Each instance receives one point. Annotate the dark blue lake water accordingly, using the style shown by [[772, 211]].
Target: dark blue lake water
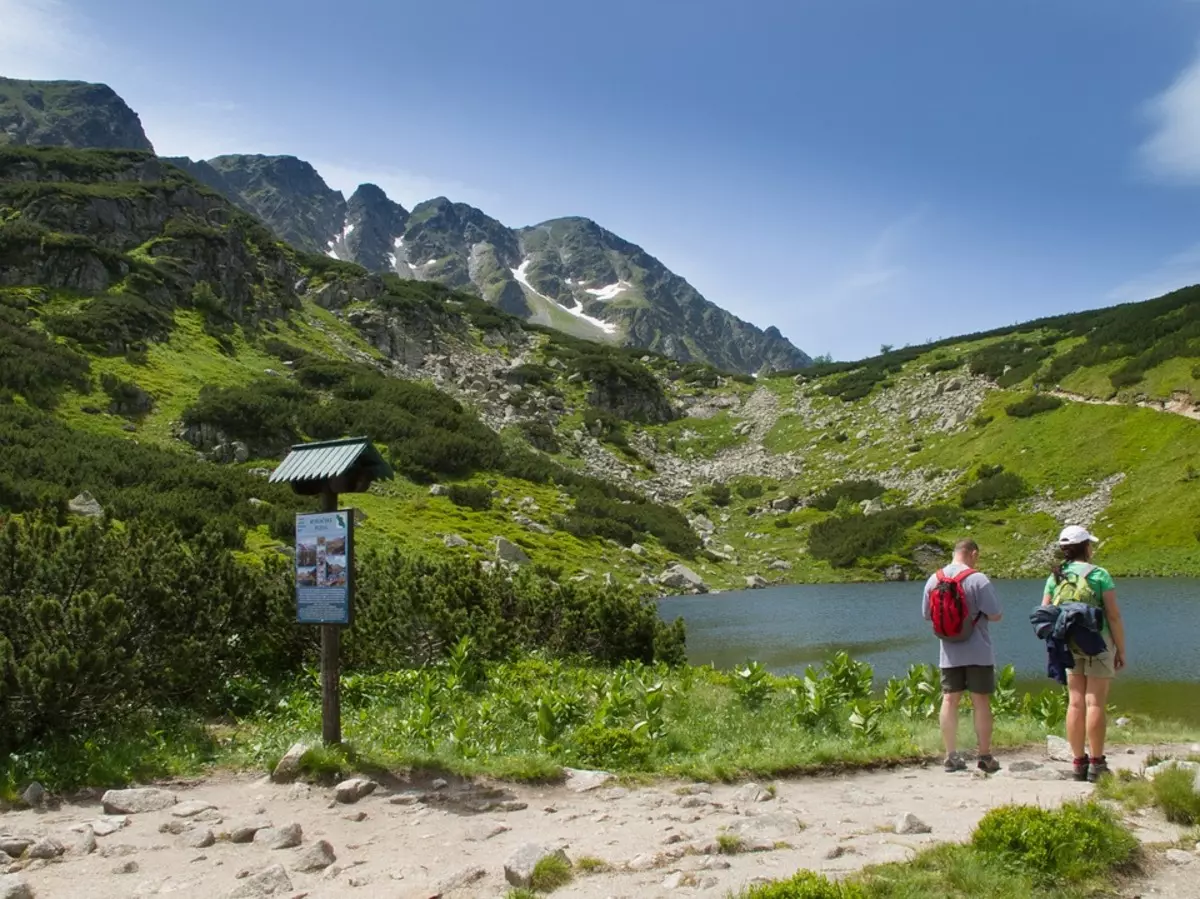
[[787, 628]]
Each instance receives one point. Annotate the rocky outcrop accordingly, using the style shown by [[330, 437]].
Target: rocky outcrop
[[164, 237]]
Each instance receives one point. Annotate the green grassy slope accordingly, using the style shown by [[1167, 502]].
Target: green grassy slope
[[188, 304]]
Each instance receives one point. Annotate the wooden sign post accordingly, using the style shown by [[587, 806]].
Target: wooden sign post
[[325, 570]]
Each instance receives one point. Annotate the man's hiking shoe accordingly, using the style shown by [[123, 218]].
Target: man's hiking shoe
[[1081, 768], [988, 765], [1099, 769], [955, 762]]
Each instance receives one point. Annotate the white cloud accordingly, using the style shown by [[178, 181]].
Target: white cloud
[[404, 187], [879, 267], [44, 39], [1180, 270], [1172, 152]]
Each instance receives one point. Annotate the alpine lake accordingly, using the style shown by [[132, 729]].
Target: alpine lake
[[790, 627]]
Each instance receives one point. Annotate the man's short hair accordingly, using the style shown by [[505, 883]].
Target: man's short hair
[[966, 545]]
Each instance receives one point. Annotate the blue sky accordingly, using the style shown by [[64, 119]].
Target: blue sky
[[856, 172]]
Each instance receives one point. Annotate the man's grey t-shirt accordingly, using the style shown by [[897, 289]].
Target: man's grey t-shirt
[[981, 597]]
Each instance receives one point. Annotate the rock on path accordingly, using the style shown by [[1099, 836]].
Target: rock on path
[[472, 840]]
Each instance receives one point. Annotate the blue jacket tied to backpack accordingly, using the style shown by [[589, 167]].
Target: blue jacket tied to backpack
[[1067, 628]]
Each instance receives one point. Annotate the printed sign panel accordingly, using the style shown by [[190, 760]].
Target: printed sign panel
[[324, 567]]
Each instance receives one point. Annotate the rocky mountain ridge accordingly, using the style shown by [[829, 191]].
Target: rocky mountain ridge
[[569, 273]]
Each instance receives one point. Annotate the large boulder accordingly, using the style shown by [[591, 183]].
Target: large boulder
[[288, 768], [518, 870], [272, 881], [136, 801], [317, 857], [354, 789], [85, 505], [681, 577], [507, 551], [755, 582], [13, 886]]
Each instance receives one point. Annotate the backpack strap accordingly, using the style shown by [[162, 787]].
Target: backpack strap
[[963, 575]]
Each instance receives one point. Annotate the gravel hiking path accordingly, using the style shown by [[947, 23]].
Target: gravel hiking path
[[420, 839]]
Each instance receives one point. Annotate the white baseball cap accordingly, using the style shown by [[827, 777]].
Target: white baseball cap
[[1073, 534]]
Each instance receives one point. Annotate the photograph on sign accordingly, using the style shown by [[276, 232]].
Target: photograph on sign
[[323, 553]]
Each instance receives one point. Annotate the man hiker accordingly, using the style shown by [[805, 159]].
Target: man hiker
[[959, 602]]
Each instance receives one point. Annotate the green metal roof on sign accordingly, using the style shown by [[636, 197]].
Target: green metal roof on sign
[[331, 459]]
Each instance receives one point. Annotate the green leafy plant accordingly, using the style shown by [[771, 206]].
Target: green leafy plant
[[752, 683]]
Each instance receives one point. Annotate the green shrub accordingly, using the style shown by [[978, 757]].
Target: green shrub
[[596, 514], [1070, 844], [842, 540], [471, 496], [1175, 793], [855, 491], [550, 873], [805, 885], [103, 621], [540, 435], [1007, 362], [606, 428], [609, 747], [125, 398], [749, 489], [34, 366], [993, 490], [1033, 404], [410, 611], [529, 373], [719, 494], [939, 365], [111, 323], [783, 521]]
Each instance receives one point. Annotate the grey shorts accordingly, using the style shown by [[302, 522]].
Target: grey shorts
[[969, 679]]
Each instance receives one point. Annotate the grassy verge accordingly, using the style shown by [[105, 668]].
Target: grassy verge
[[526, 720], [1016, 852], [1172, 791]]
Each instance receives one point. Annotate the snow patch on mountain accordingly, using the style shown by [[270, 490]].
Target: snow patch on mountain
[[520, 273], [337, 248], [611, 292]]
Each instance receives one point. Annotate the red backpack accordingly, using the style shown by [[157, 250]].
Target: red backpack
[[948, 608]]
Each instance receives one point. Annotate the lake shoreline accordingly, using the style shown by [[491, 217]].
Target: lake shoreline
[[787, 627]]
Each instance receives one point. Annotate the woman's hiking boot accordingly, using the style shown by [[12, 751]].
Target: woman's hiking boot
[[1099, 769], [988, 764], [955, 762], [1081, 767]]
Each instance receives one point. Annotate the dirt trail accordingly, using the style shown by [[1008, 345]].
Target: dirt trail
[[423, 840], [1180, 404]]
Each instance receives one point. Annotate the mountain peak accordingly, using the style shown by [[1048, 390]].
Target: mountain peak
[[75, 114]]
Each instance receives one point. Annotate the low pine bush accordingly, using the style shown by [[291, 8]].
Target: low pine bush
[[1034, 404], [805, 885], [1070, 844]]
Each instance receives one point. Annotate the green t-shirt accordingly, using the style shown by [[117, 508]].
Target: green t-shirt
[[1099, 580]]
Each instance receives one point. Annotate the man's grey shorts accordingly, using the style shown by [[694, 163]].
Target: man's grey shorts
[[969, 679]]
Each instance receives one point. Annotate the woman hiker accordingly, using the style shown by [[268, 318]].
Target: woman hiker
[[1076, 579]]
